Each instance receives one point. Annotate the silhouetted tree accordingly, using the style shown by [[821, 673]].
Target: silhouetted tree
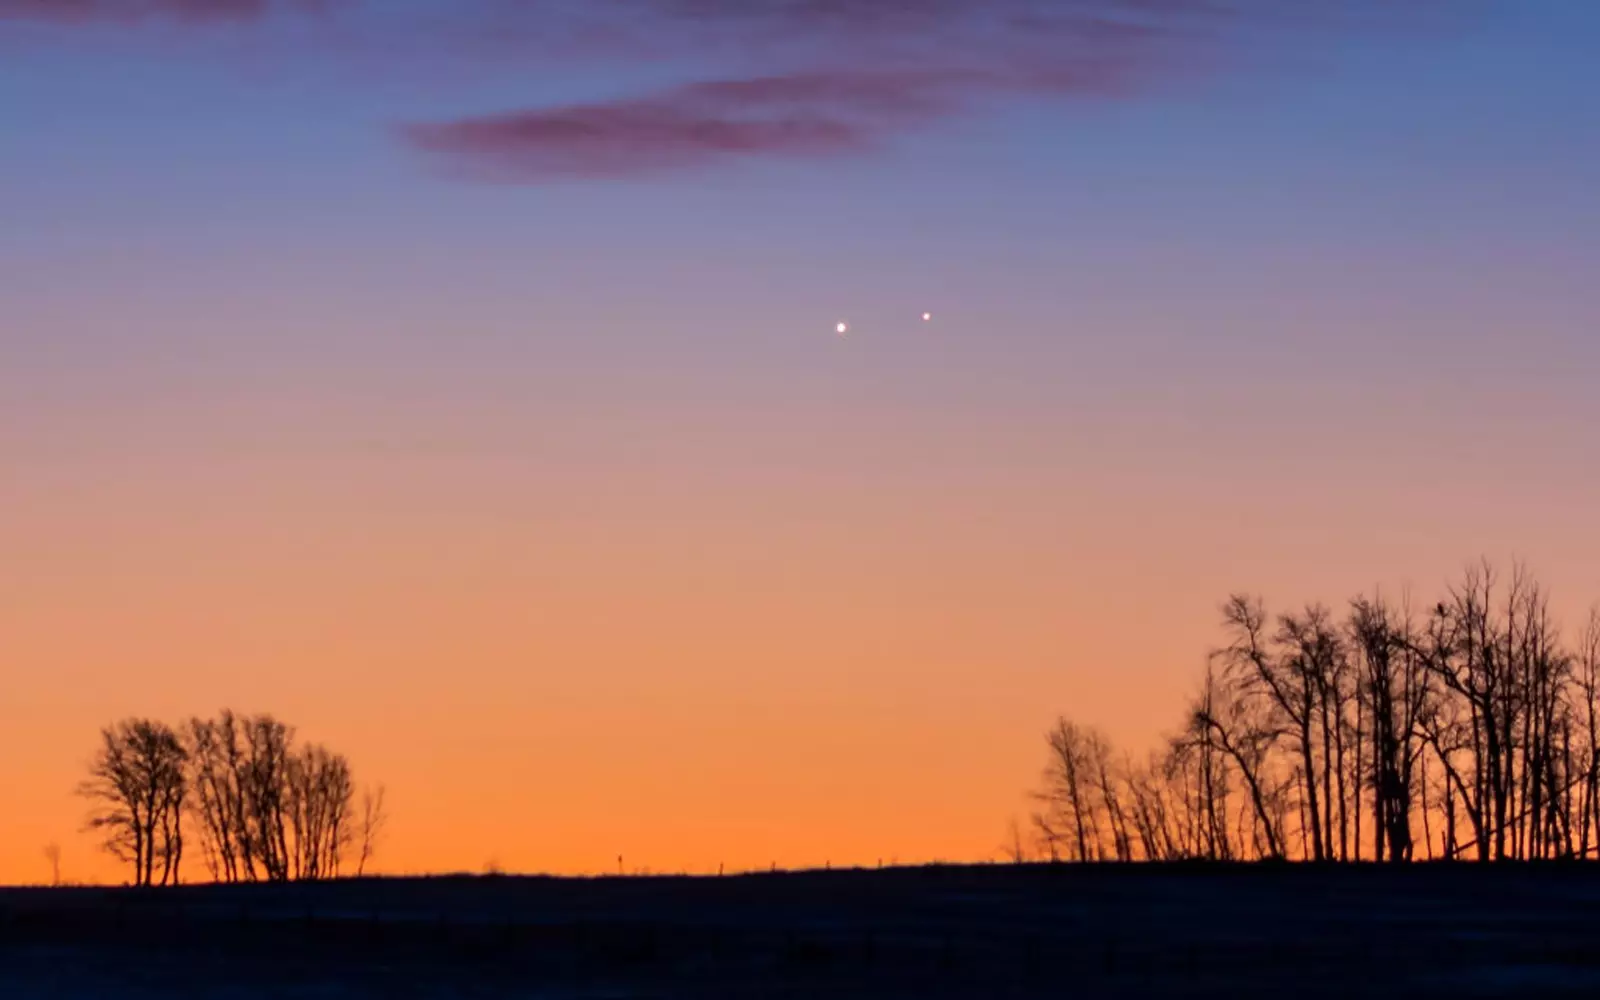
[[242, 773], [1068, 816], [320, 805], [137, 784], [269, 809], [373, 819], [1469, 730], [1229, 718], [264, 808], [1282, 690], [1587, 677], [1015, 849], [1394, 691], [1151, 791], [1109, 781], [266, 789], [218, 780]]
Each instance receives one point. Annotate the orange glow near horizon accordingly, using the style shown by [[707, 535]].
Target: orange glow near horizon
[[730, 434], [787, 640]]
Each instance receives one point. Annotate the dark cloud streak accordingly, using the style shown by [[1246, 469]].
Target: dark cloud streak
[[794, 115], [783, 78], [853, 74], [806, 114]]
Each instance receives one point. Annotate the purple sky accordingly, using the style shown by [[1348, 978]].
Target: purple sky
[[318, 319]]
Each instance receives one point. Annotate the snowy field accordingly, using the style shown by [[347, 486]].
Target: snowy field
[[989, 931]]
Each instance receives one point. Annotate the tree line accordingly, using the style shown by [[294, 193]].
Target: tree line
[[1468, 729], [261, 805]]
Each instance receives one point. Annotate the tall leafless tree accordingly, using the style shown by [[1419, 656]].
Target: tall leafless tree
[[1068, 817], [1229, 718], [218, 780], [1587, 678], [137, 784], [1015, 848], [1470, 730], [322, 823], [1394, 692], [374, 817]]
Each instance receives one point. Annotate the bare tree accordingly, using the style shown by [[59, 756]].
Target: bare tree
[[1473, 729], [1510, 697], [373, 819], [1394, 690], [218, 778], [1313, 670], [267, 808], [1283, 688], [269, 747], [1463, 645], [52, 854], [1015, 849], [1109, 782], [1587, 675], [137, 785], [320, 804], [240, 772], [1068, 814], [1159, 807], [1227, 719]]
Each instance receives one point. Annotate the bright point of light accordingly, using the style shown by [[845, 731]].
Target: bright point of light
[[927, 317], [843, 328]]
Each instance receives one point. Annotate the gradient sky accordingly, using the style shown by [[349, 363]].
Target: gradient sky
[[458, 381]]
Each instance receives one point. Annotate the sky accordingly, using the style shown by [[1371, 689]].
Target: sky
[[459, 382]]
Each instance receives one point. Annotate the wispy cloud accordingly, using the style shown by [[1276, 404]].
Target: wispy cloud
[[777, 78], [848, 76], [803, 114], [793, 78]]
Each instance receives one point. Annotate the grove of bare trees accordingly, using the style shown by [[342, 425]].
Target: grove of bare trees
[[1468, 729], [259, 805]]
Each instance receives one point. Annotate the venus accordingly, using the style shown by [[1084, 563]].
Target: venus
[[843, 328]]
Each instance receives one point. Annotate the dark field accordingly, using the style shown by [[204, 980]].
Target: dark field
[[989, 931]]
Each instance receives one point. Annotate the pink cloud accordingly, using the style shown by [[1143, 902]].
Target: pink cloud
[[861, 73], [787, 78], [807, 114]]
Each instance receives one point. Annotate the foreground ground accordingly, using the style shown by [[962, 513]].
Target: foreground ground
[[989, 931]]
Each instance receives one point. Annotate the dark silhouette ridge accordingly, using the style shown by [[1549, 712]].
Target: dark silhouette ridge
[[1160, 929]]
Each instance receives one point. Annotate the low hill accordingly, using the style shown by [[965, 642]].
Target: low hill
[[982, 931]]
